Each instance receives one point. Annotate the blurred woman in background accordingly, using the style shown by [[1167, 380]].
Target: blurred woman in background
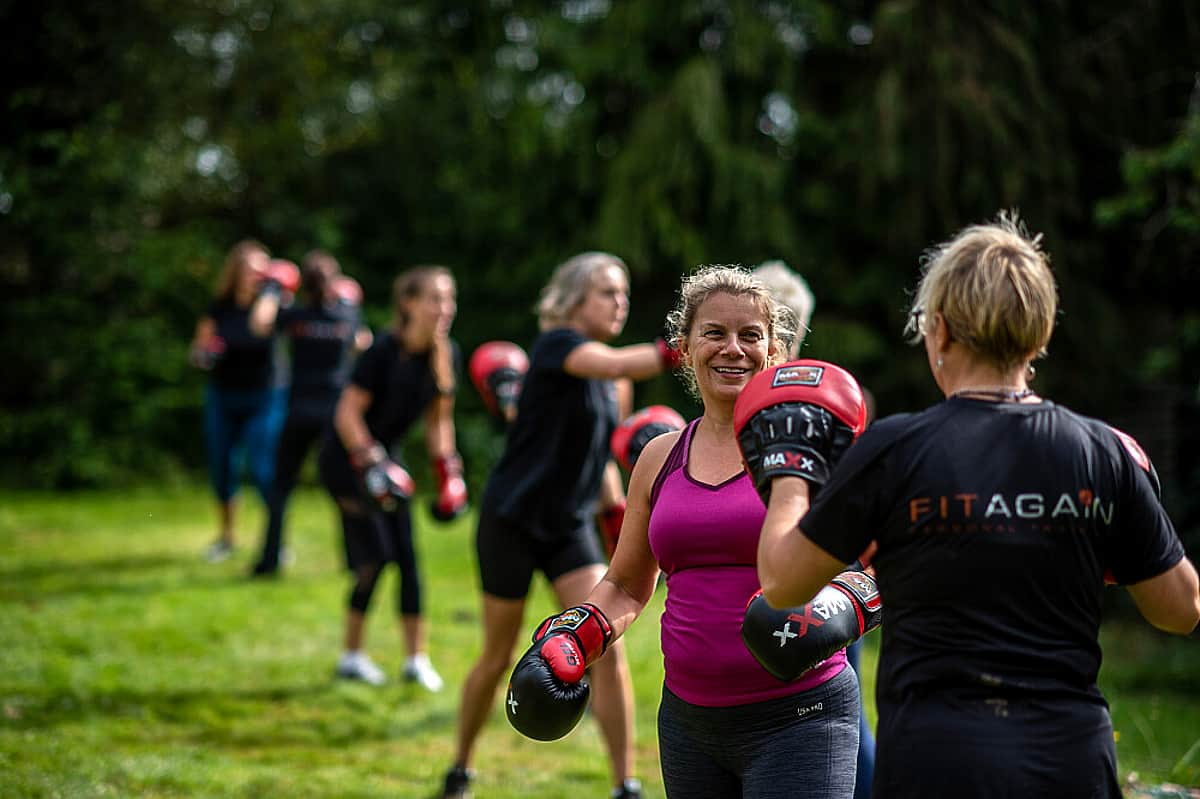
[[245, 396], [408, 374]]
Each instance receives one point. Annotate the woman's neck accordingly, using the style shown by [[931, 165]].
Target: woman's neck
[[414, 340]]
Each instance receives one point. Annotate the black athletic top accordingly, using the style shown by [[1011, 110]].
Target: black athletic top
[[548, 478], [322, 347], [996, 523], [248, 362], [401, 385]]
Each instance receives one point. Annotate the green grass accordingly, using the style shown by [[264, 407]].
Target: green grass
[[130, 667]]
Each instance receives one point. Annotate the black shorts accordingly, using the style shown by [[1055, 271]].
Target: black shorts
[[509, 554], [377, 537], [994, 747]]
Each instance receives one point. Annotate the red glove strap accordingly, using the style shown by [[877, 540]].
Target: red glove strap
[[586, 623]]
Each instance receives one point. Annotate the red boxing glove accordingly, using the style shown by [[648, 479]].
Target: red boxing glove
[[346, 290], [497, 369], [451, 501], [632, 435], [280, 276], [671, 358], [611, 519], [798, 419], [384, 481], [548, 691]]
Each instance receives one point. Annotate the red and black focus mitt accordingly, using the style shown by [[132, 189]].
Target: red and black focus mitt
[[797, 419], [632, 435], [788, 642], [497, 369]]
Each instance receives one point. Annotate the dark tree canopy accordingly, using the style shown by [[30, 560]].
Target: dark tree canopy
[[143, 138]]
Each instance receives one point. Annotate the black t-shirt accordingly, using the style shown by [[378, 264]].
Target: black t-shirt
[[322, 348], [248, 362], [548, 477], [995, 523]]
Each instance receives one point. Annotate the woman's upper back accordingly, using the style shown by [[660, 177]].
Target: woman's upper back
[[996, 523]]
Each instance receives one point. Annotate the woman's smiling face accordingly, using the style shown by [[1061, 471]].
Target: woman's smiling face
[[727, 345]]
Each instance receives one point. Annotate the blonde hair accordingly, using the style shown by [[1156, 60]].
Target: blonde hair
[[790, 289], [235, 261], [738, 281], [993, 286], [570, 284], [409, 285]]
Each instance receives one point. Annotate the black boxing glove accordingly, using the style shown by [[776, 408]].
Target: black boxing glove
[[797, 419], [788, 642], [384, 481], [548, 690]]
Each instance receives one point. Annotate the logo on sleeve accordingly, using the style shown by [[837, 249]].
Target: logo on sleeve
[[797, 376]]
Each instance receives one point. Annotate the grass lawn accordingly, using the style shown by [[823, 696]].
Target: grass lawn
[[131, 667]]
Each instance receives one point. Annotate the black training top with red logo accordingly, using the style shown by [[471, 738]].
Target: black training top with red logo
[[321, 336], [996, 523]]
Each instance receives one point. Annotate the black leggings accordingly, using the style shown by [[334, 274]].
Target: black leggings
[[298, 437]]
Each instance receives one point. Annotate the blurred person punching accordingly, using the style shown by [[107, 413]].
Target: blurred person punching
[[245, 396], [324, 331], [538, 510]]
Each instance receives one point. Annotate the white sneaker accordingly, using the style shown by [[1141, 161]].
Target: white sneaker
[[357, 666], [418, 669], [218, 551]]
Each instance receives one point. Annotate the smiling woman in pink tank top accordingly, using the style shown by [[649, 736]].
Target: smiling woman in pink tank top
[[726, 727]]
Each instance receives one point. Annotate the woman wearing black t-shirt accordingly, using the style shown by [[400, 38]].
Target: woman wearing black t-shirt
[[324, 331], [538, 509], [997, 517], [408, 374], [245, 398]]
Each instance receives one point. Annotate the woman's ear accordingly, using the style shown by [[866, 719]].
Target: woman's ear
[[939, 332]]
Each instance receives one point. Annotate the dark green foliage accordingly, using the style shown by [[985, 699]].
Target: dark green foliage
[[142, 139]]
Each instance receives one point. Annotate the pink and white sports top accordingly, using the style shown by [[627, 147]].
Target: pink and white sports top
[[705, 539]]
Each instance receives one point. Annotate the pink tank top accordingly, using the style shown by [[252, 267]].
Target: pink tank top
[[705, 539]]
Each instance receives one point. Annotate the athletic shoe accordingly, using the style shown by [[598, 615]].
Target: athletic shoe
[[630, 789], [418, 669], [218, 551], [357, 666], [458, 783]]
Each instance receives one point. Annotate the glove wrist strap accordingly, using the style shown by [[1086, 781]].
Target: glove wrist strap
[[587, 624]]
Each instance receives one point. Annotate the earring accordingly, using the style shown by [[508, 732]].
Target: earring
[[939, 362], [1031, 371]]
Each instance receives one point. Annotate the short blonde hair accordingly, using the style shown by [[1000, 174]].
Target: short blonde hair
[[736, 280], [993, 285], [570, 284], [790, 289]]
